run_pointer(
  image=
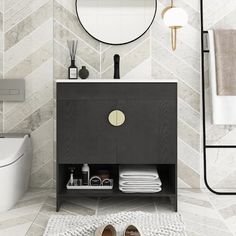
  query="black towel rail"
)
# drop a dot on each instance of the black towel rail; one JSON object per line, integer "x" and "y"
{"x": 205, "y": 146}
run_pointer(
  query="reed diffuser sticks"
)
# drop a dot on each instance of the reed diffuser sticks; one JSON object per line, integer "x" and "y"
{"x": 72, "y": 70}
{"x": 72, "y": 45}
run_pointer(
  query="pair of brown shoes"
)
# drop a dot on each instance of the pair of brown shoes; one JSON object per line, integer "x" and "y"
{"x": 109, "y": 230}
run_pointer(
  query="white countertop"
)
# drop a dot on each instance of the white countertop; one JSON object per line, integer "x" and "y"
{"x": 116, "y": 81}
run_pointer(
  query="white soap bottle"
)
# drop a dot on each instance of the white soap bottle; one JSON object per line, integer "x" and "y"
{"x": 85, "y": 174}
{"x": 71, "y": 182}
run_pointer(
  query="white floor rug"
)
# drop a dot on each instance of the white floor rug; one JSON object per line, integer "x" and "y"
{"x": 170, "y": 224}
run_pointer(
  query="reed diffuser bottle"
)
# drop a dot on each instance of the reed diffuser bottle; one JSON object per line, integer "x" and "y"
{"x": 72, "y": 70}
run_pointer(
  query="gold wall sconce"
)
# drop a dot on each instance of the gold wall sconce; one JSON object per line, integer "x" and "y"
{"x": 175, "y": 18}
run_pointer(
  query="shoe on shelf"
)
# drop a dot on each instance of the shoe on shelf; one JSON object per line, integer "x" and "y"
{"x": 132, "y": 230}
{"x": 105, "y": 230}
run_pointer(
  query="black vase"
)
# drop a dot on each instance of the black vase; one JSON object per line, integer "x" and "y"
{"x": 83, "y": 73}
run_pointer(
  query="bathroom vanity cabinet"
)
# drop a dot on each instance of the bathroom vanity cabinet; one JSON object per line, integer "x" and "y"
{"x": 146, "y": 134}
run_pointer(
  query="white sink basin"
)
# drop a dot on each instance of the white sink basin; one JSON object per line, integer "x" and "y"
{"x": 116, "y": 81}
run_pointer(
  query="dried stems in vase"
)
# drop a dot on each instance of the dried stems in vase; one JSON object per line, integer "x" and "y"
{"x": 73, "y": 70}
{"x": 72, "y": 45}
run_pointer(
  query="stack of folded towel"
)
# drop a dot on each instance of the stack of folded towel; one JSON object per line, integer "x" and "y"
{"x": 139, "y": 179}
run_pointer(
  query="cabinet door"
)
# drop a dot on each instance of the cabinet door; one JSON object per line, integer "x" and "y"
{"x": 149, "y": 133}
{"x": 84, "y": 134}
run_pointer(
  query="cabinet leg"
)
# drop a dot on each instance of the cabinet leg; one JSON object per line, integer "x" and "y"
{"x": 58, "y": 204}
{"x": 174, "y": 202}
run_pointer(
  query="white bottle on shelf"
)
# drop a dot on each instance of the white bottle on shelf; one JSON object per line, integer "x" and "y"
{"x": 71, "y": 179}
{"x": 71, "y": 182}
{"x": 85, "y": 174}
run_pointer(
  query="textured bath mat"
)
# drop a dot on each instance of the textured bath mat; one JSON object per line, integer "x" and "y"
{"x": 170, "y": 224}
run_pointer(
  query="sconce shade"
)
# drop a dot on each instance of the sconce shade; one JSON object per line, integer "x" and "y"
{"x": 175, "y": 17}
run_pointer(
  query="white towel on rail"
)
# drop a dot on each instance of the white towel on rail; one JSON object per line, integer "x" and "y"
{"x": 223, "y": 107}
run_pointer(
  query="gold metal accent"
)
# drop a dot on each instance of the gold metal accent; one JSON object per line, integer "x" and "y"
{"x": 173, "y": 38}
{"x": 116, "y": 118}
{"x": 165, "y": 10}
{"x": 173, "y": 28}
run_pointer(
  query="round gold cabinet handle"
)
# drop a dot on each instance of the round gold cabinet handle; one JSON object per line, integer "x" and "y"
{"x": 116, "y": 118}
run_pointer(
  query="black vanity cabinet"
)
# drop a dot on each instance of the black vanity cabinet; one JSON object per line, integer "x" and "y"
{"x": 148, "y": 132}
{"x": 147, "y": 135}
{"x": 84, "y": 134}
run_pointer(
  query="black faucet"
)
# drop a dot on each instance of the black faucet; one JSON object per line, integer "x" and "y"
{"x": 116, "y": 66}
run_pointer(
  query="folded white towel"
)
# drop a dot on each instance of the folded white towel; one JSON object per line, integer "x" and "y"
{"x": 140, "y": 189}
{"x": 145, "y": 172}
{"x": 125, "y": 182}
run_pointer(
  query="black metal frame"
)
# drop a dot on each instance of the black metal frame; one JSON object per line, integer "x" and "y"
{"x": 116, "y": 44}
{"x": 205, "y": 146}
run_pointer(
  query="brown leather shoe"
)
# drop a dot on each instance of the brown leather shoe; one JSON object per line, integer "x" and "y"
{"x": 132, "y": 230}
{"x": 106, "y": 230}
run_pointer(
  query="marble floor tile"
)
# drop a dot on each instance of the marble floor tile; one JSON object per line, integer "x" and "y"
{"x": 203, "y": 213}
{"x": 226, "y": 206}
{"x": 19, "y": 230}
{"x": 18, "y": 220}
{"x": 114, "y": 205}
{"x": 163, "y": 205}
{"x": 35, "y": 230}
{"x": 72, "y": 208}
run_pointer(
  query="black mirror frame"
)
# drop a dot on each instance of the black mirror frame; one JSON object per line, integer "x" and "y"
{"x": 117, "y": 44}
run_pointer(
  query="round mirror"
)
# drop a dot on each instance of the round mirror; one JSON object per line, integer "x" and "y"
{"x": 116, "y": 21}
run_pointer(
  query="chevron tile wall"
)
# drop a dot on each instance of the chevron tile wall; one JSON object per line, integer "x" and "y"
{"x": 1, "y": 61}
{"x": 27, "y": 36}
{"x": 33, "y": 46}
